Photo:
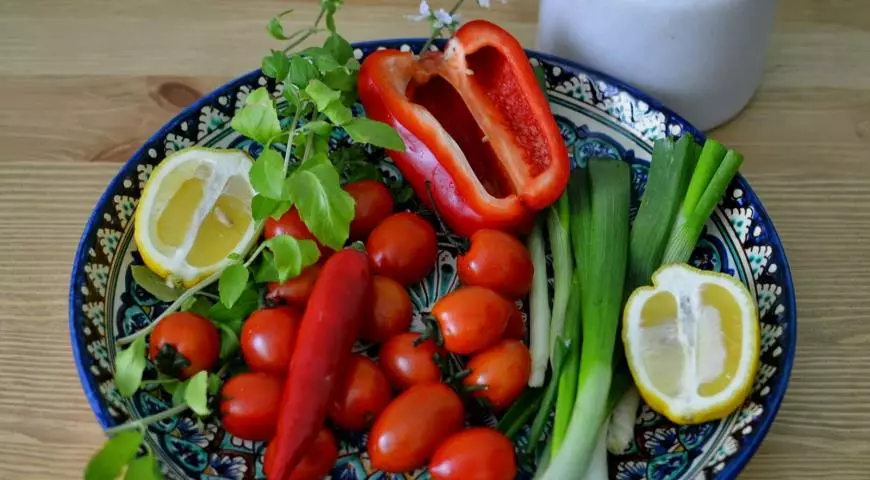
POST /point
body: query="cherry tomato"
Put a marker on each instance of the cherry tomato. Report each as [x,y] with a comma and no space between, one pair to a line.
[472,318]
[291,224]
[474,454]
[249,405]
[503,370]
[296,290]
[405,364]
[361,396]
[318,460]
[403,247]
[413,425]
[184,344]
[516,327]
[391,311]
[499,261]
[374,203]
[268,338]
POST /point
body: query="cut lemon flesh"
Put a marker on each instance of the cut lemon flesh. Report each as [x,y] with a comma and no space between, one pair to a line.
[194,212]
[692,343]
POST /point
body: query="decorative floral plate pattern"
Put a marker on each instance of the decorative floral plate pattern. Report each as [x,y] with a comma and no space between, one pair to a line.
[598,116]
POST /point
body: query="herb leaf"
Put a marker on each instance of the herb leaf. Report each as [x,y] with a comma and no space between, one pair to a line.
[266,271]
[178,394]
[321,94]
[196,394]
[318,127]
[276,65]
[275,29]
[229,341]
[267,174]
[153,284]
[338,113]
[199,306]
[302,71]
[143,468]
[379,134]
[129,365]
[258,119]
[292,255]
[232,283]
[248,301]
[115,454]
[340,48]
[323,205]
[214,384]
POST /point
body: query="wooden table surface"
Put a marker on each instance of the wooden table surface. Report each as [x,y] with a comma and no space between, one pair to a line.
[83,83]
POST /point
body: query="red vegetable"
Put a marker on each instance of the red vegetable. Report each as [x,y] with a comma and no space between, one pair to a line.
[403,247]
[390,313]
[319,457]
[413,425]
[499,261]
[405,364]
[326,336]
[268,338]
[373,203]
[361,396]
[503,370]
[474,454]
[478,131]
[184,344]
[516,327]
[249,405]
[291,224]
[296,290]
[472,319]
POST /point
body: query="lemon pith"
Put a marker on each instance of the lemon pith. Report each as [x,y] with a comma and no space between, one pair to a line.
[195,211]
[692,343]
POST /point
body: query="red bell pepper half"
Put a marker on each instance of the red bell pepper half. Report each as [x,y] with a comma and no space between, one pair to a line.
[480,140]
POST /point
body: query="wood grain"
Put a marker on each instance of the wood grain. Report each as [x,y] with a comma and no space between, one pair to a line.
[83,83]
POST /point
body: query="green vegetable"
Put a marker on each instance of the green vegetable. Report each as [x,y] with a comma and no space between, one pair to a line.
[523,408]
[110,461]
[365,130]
[129,366]
[537,430]
[153,284]
[603,259]
[558,227]
[258,119]
[291,256]
[232,283]
[196,394]
[267,175]
[539,315]
[620,427]
[570,368]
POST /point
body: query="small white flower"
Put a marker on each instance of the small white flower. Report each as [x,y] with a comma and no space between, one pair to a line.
[483,3]
[425,12]
[444,19]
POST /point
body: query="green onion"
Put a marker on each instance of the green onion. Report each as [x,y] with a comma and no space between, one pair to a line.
[712,177]
[603,261]
[563,267]
[539,315]
[597,469]
[520,411]
[570,367]
[537,430]
[669,176]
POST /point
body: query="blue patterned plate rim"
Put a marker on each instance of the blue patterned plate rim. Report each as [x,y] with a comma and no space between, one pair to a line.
[732,469]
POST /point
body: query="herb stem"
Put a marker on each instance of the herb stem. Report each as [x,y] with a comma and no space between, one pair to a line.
[143,422]
[306,33]
[437,31]
[256,254]
[290,136]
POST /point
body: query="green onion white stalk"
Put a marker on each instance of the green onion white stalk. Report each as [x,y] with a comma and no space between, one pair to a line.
[539,314]
[603,261]
[558,224]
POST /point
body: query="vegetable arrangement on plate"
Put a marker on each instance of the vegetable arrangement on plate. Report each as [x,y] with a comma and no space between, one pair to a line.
[275,267]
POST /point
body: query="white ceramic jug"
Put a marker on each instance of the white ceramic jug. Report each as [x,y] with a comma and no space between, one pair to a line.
[702,58]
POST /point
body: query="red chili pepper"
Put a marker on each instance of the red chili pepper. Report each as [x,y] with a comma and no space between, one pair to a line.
[324,344]
[480,139]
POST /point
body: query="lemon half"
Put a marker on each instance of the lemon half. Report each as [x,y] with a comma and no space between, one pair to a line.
[195,210]
[692,343]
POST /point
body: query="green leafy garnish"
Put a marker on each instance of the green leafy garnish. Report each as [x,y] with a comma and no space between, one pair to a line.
[143,468]
[258,119]
[326,209]
[232,283]
[196,394]
[129,366]
[229,341]
[109,462]
[290,255]
[379,134]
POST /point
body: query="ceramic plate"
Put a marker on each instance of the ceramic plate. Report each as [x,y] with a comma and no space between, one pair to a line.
[597,115]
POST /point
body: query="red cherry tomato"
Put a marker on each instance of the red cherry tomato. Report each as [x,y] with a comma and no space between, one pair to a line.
[291,224]
[296,290]
[391,311]
[249,405]
[184,344]
[405,364]
[413,425]
[503,370]
[361,396]
[472,318]
[403,247]
[499,261]
[474,454]
[268,338]
[318,460]
[374,203]
[516,327]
